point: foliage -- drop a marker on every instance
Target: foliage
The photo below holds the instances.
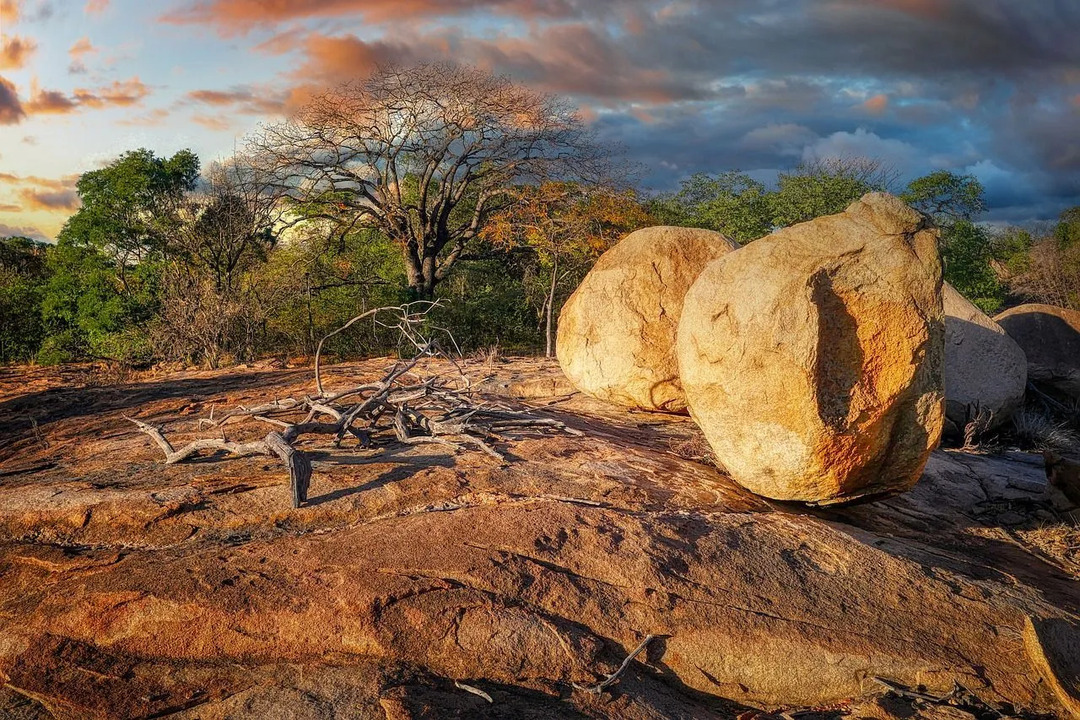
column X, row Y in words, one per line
column 946, row 196
column 824, row 187
column 423, row 154
column 967, row 255
column 740, row 207
column 730, row 203
column 22, row 273
column 1047, row 269
column 565, row 227
column 130, row 208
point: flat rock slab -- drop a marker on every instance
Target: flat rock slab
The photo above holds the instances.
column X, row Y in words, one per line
column 132, row 589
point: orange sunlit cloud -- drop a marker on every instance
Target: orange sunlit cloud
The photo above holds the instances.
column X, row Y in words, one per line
column 233, row 16
column 122, row 93
column 96, row 7
column 11, row 110
column 9, row 11
column 15, row 51
column 77, row 52
column 876, row 104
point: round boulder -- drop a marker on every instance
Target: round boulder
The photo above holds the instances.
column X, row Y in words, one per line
column 985, row 370
column 813, row 358
column 616, row 334
column 1050, row 338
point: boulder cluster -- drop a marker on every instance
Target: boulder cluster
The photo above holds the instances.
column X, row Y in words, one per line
column 822, row 362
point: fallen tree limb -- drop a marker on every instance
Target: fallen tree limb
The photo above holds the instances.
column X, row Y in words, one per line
column 402, row 407
column 599, row 688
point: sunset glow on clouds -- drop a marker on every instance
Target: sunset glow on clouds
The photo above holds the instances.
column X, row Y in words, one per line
column 982, row 86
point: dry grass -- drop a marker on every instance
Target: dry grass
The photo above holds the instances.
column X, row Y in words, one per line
column 1059, row 541
column 694, row 448
column 1037, row 430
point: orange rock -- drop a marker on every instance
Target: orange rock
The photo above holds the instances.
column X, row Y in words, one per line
column 812, row 358
column 616, row 335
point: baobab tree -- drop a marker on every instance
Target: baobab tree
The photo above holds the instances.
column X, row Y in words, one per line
column 424, row 154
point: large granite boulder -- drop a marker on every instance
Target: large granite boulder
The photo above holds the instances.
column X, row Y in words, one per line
column 616, row 335
column 1050, row 337
column 813, row 358
column 985, row 370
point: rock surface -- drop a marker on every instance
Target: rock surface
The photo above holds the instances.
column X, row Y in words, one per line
column 1050, row 337
column 812, row 358
column 616, row 334
column 132, row 589
column 984, row 368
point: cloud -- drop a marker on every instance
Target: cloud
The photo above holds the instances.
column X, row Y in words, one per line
column 896, row 154
column 15, row 52
column 23, row 231
column 9, row 11
column 240, row 16
column 64, row 198
column 78, row 52
column 121, row 93
column 38, row 194
column 11, row 110
column 243, row 99
column 211, row 122
column 96, row 7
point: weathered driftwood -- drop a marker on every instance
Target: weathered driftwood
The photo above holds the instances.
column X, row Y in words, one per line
column 401, row 407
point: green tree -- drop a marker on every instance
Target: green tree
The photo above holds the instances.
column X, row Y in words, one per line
column 732, row 203
column 967, row 254
column 945, row 196
column 1067, row 231
column 22, row 275
column 825, row 187
column 104, row 273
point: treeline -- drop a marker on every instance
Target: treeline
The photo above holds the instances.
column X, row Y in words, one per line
column 161, row 263
column 430, row 183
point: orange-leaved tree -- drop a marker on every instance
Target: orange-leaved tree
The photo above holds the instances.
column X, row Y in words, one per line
column 566, row 226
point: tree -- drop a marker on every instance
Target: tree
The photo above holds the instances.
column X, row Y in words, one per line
column 22, row 274
column 732, row 203
column 424, row 154
column 567, row 225
column 824, row 187
column 105, row 268
column 1067, row 231
column 131, row 207
column 968, row 257
column 946, row 196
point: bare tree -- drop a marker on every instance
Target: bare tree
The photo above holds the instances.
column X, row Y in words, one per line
column 424, row 154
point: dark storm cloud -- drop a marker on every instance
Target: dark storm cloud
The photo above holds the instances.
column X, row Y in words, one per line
column 984, row 86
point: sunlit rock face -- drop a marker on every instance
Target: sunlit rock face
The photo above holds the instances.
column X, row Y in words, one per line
column 813, row 358
column 616, row 339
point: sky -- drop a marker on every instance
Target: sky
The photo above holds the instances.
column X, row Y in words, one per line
column 986, row 87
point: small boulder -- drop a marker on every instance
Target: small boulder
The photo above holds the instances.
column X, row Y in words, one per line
column 813, row 358
column 616, row 334
column 985, row 370
column 1050, row 338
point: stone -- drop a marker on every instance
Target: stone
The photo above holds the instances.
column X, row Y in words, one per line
column 133, row 589
column 1050, row 337
column 616, row 333
column 813, row 358
column 984, row 368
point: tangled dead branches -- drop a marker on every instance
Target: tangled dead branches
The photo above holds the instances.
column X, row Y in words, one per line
column 403, row 406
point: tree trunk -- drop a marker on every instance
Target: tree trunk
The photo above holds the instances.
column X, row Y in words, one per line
column 551, row 303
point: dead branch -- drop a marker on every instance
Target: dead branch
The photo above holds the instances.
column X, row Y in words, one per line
column 402, row 407
column 599, row 688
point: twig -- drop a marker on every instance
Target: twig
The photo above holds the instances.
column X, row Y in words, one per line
column 599, row 688
column 474, row 690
